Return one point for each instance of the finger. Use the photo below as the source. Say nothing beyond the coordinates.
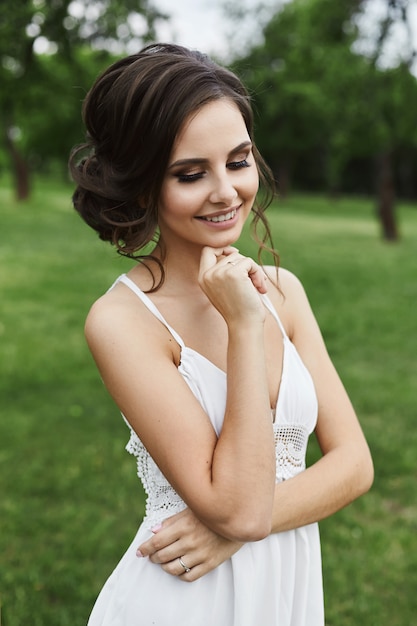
(196, 572)
(210, 256)
(230, 259)
(168, 554)
(176, 528)
(230, 251)
(161, 539)
(175, 569)
(254, 271)
(259, 279)
(179, 566)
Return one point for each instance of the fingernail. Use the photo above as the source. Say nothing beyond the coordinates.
(138, 552)
(155, 528)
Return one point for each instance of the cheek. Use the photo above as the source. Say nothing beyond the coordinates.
(181, 200)
(170, 201)
(252, 184)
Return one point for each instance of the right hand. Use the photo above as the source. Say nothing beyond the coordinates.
(184, 536)
(233, 282)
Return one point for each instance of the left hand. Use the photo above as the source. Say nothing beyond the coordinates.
(184, 536)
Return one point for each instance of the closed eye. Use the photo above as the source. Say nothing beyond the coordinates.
(237, 165)
(189, 178)
(232, 165)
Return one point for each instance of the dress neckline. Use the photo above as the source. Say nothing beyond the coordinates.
(148, 302)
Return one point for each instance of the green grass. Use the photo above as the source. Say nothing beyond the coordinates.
(70, 501)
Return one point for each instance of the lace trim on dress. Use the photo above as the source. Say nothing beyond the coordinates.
(162, 500)
(290, 450)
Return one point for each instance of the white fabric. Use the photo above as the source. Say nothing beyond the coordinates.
(273, 582)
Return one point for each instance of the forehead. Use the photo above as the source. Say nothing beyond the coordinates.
(217, 124)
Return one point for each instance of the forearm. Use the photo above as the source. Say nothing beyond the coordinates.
(244, 457)
(331, 483)
(334, 481)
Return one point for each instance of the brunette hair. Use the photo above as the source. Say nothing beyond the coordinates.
(133, 114)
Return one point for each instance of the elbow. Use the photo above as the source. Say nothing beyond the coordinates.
(247, 527)
(253, 532)
(365, 474)
(368, 474)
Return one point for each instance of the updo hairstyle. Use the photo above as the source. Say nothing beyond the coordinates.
(133, 114)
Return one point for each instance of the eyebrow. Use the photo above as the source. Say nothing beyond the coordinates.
(200, 160)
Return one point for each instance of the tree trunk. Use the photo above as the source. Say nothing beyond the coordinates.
(20, 169)
(386, 197)
(283, 180)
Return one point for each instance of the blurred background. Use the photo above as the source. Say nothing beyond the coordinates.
(334, 90)
(334, 83)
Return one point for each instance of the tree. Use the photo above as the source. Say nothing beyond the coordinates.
(301, 75)
(393, 98)
(31, 84)
(323, 102)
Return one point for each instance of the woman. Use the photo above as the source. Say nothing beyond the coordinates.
(217, 364)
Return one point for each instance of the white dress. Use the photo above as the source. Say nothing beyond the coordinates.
(273, 582)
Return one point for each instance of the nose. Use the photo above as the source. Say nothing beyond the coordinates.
(223, 190)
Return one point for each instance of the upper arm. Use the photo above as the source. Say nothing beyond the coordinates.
(137, 367)
(337, 422)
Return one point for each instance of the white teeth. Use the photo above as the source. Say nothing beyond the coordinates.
(222, 218)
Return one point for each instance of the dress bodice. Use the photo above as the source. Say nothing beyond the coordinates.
(294, 418)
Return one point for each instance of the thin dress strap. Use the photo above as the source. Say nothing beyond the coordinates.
(153, 309)
(267, 302)
(150, 305)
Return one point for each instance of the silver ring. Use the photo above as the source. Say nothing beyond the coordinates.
(187, 569)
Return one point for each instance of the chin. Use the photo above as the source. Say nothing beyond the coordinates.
(227, 238)
(222, 242)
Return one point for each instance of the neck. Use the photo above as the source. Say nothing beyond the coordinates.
(181, 269)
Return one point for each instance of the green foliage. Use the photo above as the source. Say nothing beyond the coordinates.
(68, 26)
(54, 102)
(71, 501)
(324, 111)
(41, 95)
(320, 105)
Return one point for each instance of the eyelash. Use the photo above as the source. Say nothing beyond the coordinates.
(190, 178)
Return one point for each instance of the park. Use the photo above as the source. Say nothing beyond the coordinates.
(70, 499)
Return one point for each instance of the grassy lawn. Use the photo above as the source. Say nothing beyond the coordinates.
(70, 500)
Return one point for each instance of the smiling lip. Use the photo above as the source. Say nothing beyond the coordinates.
(220, 217)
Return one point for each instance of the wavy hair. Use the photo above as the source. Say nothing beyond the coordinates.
(133, 114)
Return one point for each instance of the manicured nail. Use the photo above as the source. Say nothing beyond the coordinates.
(155, 528)
(138, 552)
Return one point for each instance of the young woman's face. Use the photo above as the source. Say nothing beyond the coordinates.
(211, 181)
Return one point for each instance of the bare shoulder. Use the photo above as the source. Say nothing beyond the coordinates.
(109, 313)
(288, 296)
(287, 282)
(119, 321)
